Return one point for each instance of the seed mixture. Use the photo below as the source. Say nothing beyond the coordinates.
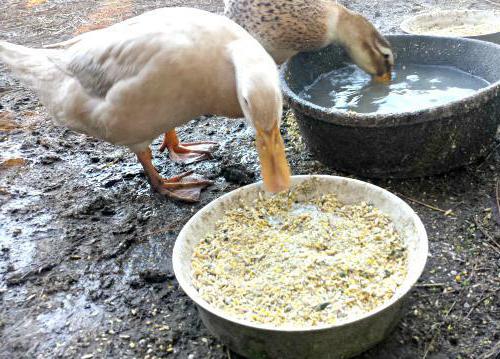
(460, 29)
(285, 261)
(293, 131)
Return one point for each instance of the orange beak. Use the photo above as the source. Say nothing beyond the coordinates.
(275, 169)
(384, 79)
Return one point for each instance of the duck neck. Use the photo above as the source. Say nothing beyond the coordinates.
(253, 67)
(338, 27)
(224, 98)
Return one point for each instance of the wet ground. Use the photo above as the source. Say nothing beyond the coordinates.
(85, 247)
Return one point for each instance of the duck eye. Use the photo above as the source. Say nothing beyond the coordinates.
(386, 56)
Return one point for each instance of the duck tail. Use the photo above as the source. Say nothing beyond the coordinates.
(32, 66)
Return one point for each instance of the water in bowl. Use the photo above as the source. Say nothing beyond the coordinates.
(414, 87)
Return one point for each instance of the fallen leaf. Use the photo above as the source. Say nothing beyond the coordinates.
(13, 162)
(7, 121)
(32, 3)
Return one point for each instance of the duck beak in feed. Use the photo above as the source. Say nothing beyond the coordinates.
(274, 165)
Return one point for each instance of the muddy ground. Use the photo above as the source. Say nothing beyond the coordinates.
(85, 247)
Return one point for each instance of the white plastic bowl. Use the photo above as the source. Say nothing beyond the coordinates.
(341, 340)
(422, 24)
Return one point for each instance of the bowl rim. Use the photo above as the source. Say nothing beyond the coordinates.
(355, 119)
(404, 290)
(411, 20)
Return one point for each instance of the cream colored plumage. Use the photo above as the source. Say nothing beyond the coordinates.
(135, 80)
(285, 27)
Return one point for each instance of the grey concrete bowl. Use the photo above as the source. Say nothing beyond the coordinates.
(327, 341)
(433, 22)
(407, 144)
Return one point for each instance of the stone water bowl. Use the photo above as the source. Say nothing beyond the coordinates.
(342, 340)
(407, 144)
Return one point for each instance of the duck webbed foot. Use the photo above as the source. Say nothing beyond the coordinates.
(185, 187)
(186, 152)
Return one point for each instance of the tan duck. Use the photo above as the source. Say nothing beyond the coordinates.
(286, 27)
(135, 80)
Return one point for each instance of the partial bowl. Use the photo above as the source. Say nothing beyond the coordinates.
(473, 24)
(405, 144)
(342, 340)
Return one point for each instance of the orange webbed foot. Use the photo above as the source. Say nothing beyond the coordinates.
(186, 152)
(185, 187)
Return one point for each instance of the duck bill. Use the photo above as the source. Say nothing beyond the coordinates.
(274, 166)
(384, 79)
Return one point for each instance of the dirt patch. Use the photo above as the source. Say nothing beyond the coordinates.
(108, 13)
(85, 247)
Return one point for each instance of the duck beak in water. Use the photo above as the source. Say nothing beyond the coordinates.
(383, 79)
(386, 76)
(275, 169)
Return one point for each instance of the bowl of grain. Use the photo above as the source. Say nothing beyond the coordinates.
(474, 24)
(321, 271)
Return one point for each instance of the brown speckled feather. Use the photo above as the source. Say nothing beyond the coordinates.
(286, 27)
(293, 25)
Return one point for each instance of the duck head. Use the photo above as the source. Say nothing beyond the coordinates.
(365, 45)
(259, 96)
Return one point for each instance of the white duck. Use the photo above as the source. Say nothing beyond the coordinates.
(135, 80)
(287, 27)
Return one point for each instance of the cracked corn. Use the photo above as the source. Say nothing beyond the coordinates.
(282, 261)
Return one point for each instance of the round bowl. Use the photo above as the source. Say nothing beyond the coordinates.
(406, 144)
(428, 23)
(342, 340)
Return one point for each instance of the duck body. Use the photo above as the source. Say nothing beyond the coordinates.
(128, 83)
(285, 27)
(135, 80)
